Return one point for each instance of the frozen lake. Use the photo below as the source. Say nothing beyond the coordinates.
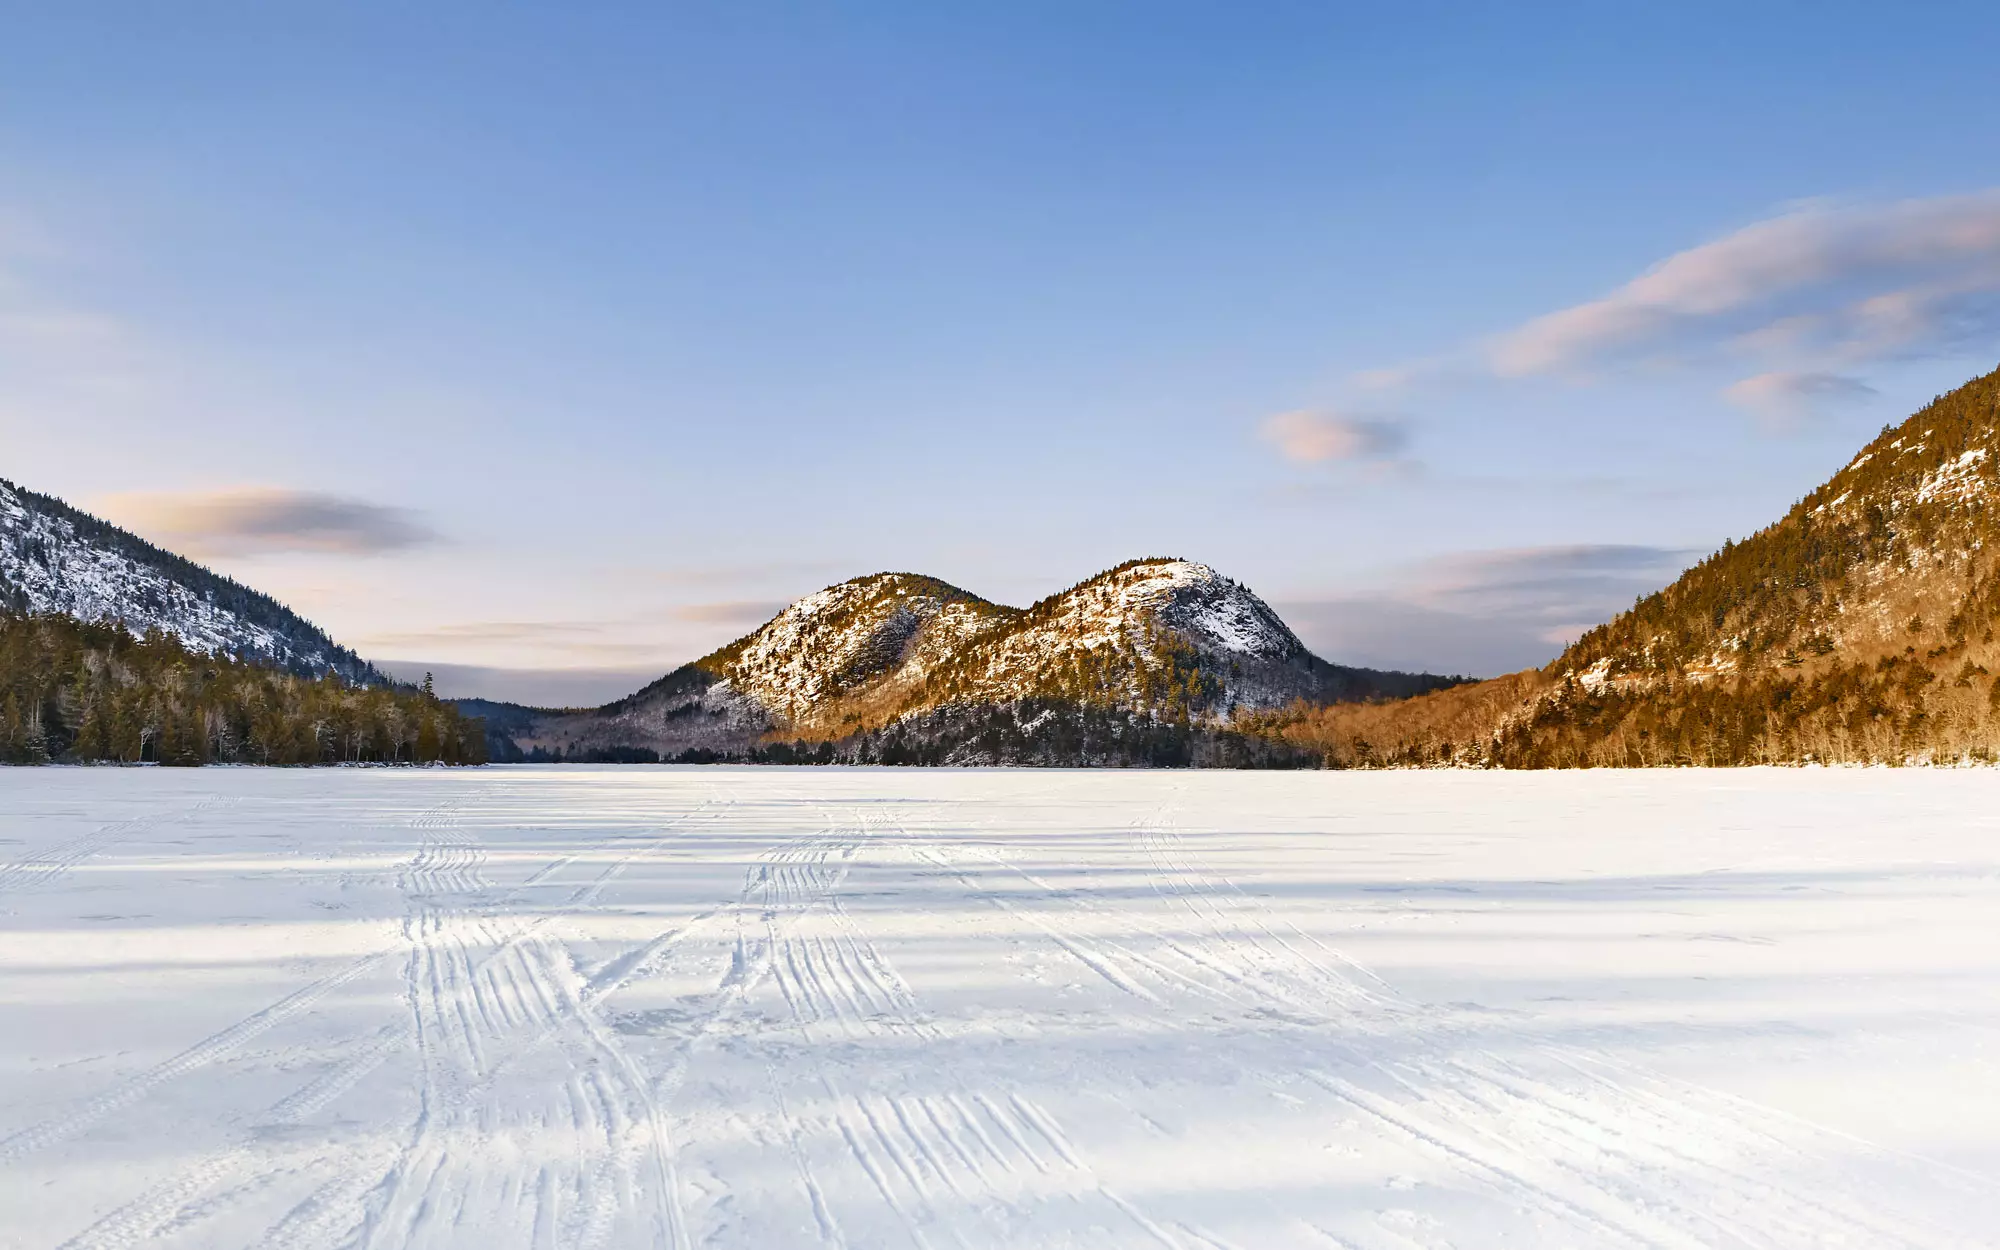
(767, 1008)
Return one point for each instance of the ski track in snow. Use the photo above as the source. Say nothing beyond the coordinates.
(45, 868)
(1627, 1158)
(750, 1008)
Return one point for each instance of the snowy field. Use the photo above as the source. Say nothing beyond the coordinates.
(772, 1008)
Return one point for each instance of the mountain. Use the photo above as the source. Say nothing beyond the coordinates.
(55, 559)
(1156, 655)
(1858, 627)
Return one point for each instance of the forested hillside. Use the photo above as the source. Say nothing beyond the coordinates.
(80, 692)
(58, 559)
(1857, 628)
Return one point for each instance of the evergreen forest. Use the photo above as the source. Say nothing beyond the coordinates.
(82, 692)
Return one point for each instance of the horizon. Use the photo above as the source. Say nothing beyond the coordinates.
(548, 352)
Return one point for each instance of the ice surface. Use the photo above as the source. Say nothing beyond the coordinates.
(874, 1008)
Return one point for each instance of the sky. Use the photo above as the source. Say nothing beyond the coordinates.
(548, 347)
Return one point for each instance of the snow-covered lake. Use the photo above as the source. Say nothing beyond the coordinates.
(766, 1008)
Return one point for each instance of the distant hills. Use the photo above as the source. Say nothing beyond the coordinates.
(1150, 662)
(1155, 661)
(1858, 627)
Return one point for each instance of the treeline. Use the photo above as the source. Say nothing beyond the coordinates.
(1941, 705)
(1024, 733)
(1452, 726)
(1048, 733)
(1033, 733)
(1895, 710)
(81, 692)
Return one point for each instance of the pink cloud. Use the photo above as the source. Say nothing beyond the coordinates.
(1864, 280)
(1313, 437)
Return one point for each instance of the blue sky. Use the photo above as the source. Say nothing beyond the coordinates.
(553, 349)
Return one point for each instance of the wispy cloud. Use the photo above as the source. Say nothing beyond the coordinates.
(1560, 589)
(555, 645)
(1854, 283)
(742, 612)
(267, 520)
(57, 349)
(1786, 399)
(1485, 612)
(574, 641)
(562, 632)
(1309, 436)
(536, 687)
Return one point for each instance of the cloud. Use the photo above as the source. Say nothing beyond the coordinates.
(1393, 378)
(738, 574)
(535, 687)
(57, 351)
(1485, 612)
(597, 639)
(1854, 283)
(1560, 586)
(744, 612)
(265, 520)
(1785, 399)
(1315, 437)
(645, 642)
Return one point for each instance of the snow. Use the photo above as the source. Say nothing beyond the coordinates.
(61, 570)
(1213, 609)
(814, 648)
(1957, 479)
(878, 1008)
(1242, 623)
(1597, 676)
(1117, 609)
(886, 634)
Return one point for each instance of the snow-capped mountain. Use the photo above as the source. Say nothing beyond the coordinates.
(1123, 635)
(54, 558)
(1161, 641)
(891, 628)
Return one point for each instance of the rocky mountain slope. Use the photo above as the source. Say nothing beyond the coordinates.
(56, 559)
(912, 660)
(1858, 627)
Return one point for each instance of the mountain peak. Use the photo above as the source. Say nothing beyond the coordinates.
(1161, 640)
(832, 642)
(1191, 602)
